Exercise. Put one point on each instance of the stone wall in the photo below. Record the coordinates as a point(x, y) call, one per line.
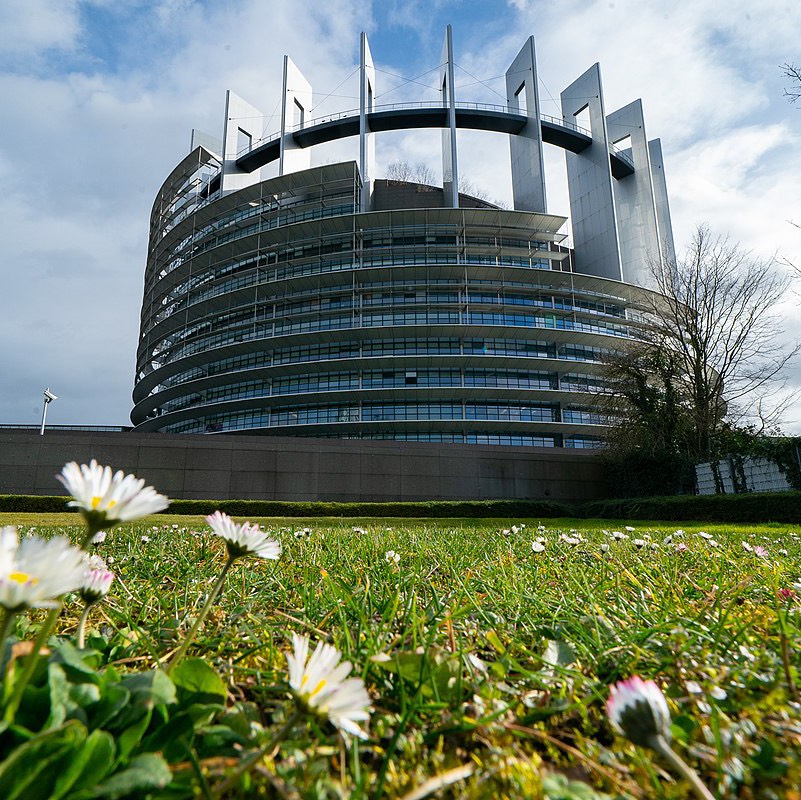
point(282, 468)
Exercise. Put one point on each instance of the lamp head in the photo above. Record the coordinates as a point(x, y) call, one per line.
point(49, 396)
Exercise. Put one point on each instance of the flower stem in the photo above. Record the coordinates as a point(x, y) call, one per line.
point(5, 627)
point(80, 634)
point(215, 590)
point(785, 650)
point(249, 763)
point(661, 746)
point(30, 663)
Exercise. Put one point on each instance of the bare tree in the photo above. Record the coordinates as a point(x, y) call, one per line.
point(404, 172)
point(717, 317)
point(793, 74)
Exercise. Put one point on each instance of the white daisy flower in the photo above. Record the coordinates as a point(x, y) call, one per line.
point(322, 686)
point(704, 535)
point(570, 539)
point(747, 546)
point(630, 529)
point(105, 498)
point(96, 583)
point(618, 536)
point(678, 533)
point(537, 547)
point(392, 556)
point(36, 571)
point(638, 710)
point(604, 547)
point(243, 539)
point(639, 543)
point(515, 529)
point(99, 538)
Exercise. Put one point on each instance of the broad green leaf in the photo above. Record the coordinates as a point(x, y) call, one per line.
point(92, 762)
point(31, 769)
point(77, 663)
point(153, 687)
point(59, 695)
point(197, 682)
point(436, 673)
point(128, 740)
point(144, 774)
point(111, 702)
point(496, 643)
point(558, 653)
point(172, 738)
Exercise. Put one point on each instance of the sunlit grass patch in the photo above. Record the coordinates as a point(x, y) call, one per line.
point(487, 663)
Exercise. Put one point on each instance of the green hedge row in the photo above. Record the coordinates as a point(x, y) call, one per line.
point(778, 507)
point(758, 507)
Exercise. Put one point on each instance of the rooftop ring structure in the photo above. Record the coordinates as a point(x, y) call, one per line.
point(325, 302)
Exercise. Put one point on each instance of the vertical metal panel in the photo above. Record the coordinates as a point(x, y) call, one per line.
point(589, 182)
point(528, 168)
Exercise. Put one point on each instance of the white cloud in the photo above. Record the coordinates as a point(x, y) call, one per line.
point(31, 26)
point(87, 141)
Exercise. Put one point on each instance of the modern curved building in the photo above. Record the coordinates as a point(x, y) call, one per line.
point(324, 302)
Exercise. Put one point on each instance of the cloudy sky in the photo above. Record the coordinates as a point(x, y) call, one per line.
point(100, 96)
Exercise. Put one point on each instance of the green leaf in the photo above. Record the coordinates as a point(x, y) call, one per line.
point(435, 673)
point(558, 653)
point(91, 764)
point(682, 727)
point(59, 695)
point(75, 664)
point(172, 738)
point(129, 739)
point(111, 702)
point(31, 769)
point(495, 641)
point(153, 687)
point(144, 774)
point(197, 682)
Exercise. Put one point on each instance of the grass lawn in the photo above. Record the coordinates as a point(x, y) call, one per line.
point(494, 660)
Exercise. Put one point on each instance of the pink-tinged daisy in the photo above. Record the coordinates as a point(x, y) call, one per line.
point(35, 572)
point(761, 552)
point(638, 710)
point(243, 539)
point(322, 686)
point(96, 583)
point(105, 498)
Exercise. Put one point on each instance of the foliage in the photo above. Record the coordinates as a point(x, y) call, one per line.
point(755, 507)
point(477, 652)
point(287, 508)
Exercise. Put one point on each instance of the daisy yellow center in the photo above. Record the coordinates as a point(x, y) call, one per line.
point(317, 689)
point(97, 500)
point(22, 577)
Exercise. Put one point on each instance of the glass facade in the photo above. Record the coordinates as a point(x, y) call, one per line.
point(279, 308)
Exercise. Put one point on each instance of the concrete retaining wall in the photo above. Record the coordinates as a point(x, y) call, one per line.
point(278, 468)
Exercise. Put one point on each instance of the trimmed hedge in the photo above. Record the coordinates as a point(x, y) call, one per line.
point(757, 507)
point(285, 508)
point(773, 507)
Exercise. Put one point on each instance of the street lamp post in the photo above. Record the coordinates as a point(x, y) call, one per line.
point(48, 398)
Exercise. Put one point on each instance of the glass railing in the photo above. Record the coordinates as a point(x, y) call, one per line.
point(352, 113)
